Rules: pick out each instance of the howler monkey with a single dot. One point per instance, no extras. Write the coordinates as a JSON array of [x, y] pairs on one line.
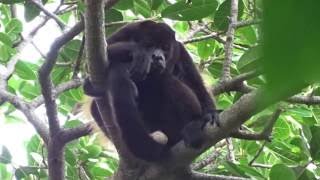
[[153, 85]]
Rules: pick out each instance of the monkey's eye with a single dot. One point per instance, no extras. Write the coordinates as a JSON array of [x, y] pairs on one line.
[[166, 47]]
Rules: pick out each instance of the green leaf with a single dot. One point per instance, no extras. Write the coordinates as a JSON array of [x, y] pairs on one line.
[[28, 90], [221, 18], [285, 152], [155, 4], [5, 39], [234, 169], [315, 143], [70, 157], [316, 113], [24, 71], [14, 27], [124, 4], [71, 49], [5, 53], [23, 172], [30, 11], [281, 171], [291, 44], [307, 175], [181, 26], [247, 35], [281, 129], [143, 8], [195, 10], [250, 59], [77, 94], [101, 169], [60, 74], [5, 156], [72, 124], [93, 151], [4, 173], [11, 1], [113, 15], [34, 144], [250, 171], [205, 48]]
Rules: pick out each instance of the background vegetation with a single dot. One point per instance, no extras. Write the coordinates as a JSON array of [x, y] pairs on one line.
[[258, 45]]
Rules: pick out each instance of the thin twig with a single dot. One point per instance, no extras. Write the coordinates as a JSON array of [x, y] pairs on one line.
[[48, 13], [74, 83], [258, 153], [76, 68]]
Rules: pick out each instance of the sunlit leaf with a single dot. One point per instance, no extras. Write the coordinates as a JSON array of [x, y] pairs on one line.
[[281, 171], [195, 10]]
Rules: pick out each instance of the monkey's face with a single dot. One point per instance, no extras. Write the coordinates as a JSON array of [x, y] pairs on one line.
[[158, 41]]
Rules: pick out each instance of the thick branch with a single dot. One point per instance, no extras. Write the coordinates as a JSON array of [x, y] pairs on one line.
[[45, 71], [68, 135], [230, 120], [28, 111], [229, 42], [202, 176], [97, 61], [95, 42]]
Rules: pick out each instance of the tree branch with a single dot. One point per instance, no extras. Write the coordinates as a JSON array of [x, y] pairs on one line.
[[229, 42], [56, 143], [308, 100], [207, 160], [235, 83], [202, 176], [58, 90], [45, 71], [95, 42], [247, 23], [264, 135], [68, 135], [258, 153], [48, 13], [28, 111]]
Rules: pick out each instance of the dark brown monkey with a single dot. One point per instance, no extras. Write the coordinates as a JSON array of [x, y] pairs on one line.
[[153, 85]]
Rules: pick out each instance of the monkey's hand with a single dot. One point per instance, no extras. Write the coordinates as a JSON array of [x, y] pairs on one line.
[[89, 89], [211, 116], [193, 135], [140, 65]]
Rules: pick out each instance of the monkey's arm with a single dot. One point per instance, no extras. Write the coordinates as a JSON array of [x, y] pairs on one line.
[[121, 51], [193, 79], [121, 93]]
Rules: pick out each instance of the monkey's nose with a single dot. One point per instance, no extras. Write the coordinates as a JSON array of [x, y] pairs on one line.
[[157, 57]]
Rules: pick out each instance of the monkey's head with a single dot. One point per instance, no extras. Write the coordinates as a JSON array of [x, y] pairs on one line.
[[159, 42]]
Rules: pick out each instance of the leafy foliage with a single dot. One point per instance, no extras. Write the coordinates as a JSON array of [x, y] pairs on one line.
[[286, 48]]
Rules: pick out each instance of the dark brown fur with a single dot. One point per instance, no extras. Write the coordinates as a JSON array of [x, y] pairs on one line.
[[174, 101]]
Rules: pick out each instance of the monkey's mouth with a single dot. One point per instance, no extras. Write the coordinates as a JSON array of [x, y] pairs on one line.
[[158, 66]]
